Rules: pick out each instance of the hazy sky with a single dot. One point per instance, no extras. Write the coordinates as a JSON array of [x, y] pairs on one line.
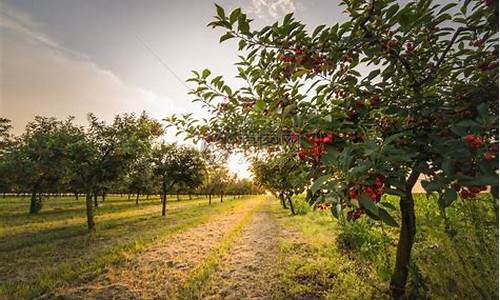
[[71, 57]]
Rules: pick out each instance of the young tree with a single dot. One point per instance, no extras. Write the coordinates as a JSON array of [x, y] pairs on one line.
[[394, 93], [43, 155], [107, 152], [173, 165]]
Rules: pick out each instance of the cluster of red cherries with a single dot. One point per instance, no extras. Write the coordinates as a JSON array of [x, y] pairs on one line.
[[476, 142], [318, 148], [374, 191], [468, 192]]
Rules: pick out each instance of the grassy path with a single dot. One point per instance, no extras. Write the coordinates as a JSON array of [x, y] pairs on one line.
[[250, 268]]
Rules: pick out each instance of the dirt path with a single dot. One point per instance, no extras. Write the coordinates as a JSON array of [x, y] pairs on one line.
[[159, 271], [249, 271]]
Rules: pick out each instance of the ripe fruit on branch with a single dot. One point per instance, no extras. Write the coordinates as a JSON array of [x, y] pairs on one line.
[[353, 115], [474, 141], [409, 47], [375, 101], [355, 214], [469, 138], [488, 156]]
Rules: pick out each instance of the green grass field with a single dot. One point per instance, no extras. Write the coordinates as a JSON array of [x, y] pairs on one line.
[[355, 259], [315, 256], [38, 252]]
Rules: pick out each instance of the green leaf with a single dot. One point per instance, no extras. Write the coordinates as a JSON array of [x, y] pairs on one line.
[[226, 36], [494, 191], [243, 25], [260, 104], [287, 18], [392, 10], [368, 204], [467, 123], [205, 73], [482, 180], [318, 29], [433, 186], [318, 183], [386, 217], [447, 198], [220, 11], [392, 138], [241, 44], [235, 14], [336, 210], [447, 7], [372, 74]]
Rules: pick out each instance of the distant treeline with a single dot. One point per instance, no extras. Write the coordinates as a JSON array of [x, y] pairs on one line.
[[54, 157]]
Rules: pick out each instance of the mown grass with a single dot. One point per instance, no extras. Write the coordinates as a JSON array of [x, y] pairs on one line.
[[453, 258], [54, 250]]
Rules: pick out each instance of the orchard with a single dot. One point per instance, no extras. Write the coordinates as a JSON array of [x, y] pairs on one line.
[[365, 108]]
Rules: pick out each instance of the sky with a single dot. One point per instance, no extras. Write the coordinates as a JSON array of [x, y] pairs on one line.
[[72, 57]]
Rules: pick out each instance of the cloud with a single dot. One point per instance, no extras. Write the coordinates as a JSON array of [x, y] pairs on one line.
[[39, 76], [272, 8]]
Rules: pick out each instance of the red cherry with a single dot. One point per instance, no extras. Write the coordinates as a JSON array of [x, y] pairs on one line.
[[373, 197], [488, 156], [327, 139], [494, 147], [302, 155], [469, 138], [474, 189], [477, 142], [375, 100], [352, 115], [360, 104], [353, 194], [464, 194]]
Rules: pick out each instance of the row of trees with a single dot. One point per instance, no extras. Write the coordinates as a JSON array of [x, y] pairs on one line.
[[55, 156], [353, 110]]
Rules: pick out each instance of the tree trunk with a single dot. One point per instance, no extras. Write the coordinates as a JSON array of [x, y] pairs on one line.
[[164, 200], [190, 198], [137, 199], [291, 205], [178, 199], [103, 196], [96, 204], [129, 196], [209, 199], [309, 196], [147, 196], [406, 239], [90, 212], [283, 202], [36, 202], [221, 197], [76, 196]]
